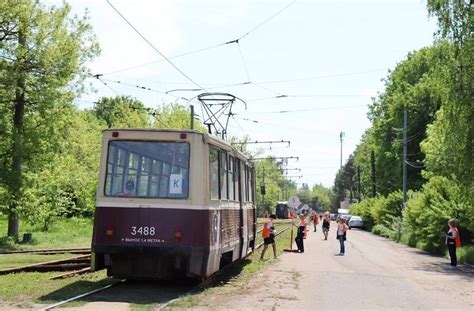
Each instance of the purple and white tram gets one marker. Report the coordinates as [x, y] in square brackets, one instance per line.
[171, 203]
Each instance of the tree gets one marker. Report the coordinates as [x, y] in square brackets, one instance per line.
[123, 112]
[42, 57]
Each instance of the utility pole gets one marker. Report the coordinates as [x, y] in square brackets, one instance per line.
[372, 166]
[358, 183]
[405, 147]
[341, 136]
[192, 116]
[262, 188]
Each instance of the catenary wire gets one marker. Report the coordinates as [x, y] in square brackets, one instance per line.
[154, 48]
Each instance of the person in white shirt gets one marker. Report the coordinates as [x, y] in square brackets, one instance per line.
[341, 235]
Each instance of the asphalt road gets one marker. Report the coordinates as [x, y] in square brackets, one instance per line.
[374, 274]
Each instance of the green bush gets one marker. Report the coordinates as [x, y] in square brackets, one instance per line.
[466, 254]
[429, 210]
[363, 209]
[382, 230]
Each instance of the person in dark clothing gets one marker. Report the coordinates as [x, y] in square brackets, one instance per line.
[326, 224]
[453, 241]
[301, 225]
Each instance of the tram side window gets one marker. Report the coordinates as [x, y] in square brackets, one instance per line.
[214, 172]
[251, 188]
[223, 174]
[231, 178]
[236, 179]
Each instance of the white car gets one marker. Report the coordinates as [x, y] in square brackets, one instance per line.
[356, 222]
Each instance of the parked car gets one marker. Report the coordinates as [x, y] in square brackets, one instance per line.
[333, 216]
[356, 222]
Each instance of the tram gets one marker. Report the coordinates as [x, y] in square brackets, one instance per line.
[171, 204]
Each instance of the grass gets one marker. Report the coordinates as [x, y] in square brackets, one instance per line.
[70, 232]
[18, 260]
[236, 279]
[23, 290]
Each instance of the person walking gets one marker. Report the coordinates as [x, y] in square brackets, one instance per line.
[315, 221]
[268, 234]
[326, 224]
[301, 225]
[341, 235]
[453, 241]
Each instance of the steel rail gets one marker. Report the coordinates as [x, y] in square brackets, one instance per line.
[286, 229]
[48, 251]
[55, 305]
[63, 264]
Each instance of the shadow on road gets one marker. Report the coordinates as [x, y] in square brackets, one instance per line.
[464, 271]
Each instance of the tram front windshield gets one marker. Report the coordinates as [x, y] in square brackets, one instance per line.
[147, 169]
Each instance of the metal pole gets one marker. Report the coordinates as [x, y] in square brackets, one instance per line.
[405, 147]
[263, 194]
[341, 136]
[192, 116]
[372, 167]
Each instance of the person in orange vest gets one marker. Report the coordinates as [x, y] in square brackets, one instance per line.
[301, 225]
[453, 241]
[315, 218]
[268, 234]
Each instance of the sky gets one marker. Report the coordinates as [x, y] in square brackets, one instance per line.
[314, 65]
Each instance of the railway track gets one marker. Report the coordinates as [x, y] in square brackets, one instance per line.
[68, 264]
[214, 279]
[82, 250]
[58, 304]
[278, 233]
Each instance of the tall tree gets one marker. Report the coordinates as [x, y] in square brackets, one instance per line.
[42, 57]
[451, 141]
[123, 111]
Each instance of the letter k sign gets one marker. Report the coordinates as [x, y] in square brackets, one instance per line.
[176, 184]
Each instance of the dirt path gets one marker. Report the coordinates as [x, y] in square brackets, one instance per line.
[375, 274]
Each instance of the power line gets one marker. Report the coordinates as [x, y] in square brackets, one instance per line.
[162, 60]
[154, 48]
[305, 96]
[267, 20]
[195, 51]
[323, 76]
[243, 61]
[297, 110]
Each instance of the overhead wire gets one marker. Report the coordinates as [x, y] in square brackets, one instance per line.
[267, 20]
[162, 60]
[153, 47]
[198, 50]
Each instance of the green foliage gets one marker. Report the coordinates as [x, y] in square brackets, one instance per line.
[175, 116]
[466, 254]
[427, 214]
[320, 198]
[63, 233]
[44, 52]
[122, 112]
[277, 187]
[364, 210]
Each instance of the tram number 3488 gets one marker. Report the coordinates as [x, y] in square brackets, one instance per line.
[143, 231]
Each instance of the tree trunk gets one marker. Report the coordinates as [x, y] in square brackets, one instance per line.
[16, 180]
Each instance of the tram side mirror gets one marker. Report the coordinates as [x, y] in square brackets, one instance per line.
[262, 189]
